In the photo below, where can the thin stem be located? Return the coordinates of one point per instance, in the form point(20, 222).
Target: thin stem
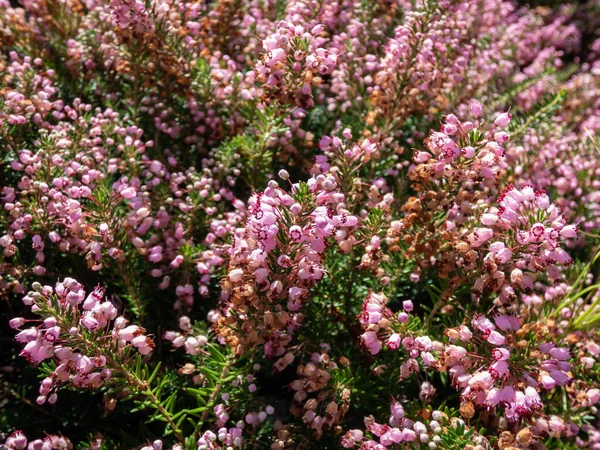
point(433, 311)
point(28, 402)
point(141, 384)
point(215, 394)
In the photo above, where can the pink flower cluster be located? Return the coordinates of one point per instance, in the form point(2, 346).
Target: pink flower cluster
point(523, 237)
point(158, 233)
point(223, 438)
point(188, 340)
point(401, 430)
point(382, 327)
point(149, 146)
point(69, 320)
point(18, 441)
point(293, 57)
point(133, 15)
point(278, 255)
point(480, 152)
point(507, 366)
point(33, 97)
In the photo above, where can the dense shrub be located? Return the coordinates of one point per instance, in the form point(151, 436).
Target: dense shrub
point(303, 224)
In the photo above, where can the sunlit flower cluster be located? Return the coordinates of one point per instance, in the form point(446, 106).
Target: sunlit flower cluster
point(299, 224)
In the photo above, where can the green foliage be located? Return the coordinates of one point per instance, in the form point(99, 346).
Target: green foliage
point(541, 112)
point(252, 152)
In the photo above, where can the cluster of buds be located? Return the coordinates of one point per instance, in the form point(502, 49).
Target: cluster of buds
point(58, 178)
point(223, 439)
point(133, 15)
point(461, 151)
point(166, 237)
point(75, 331)
point(62, 190)
point(294, 61)
point(458, 171)
point(33, 96)
point(247, 385)
point(275, 260)
point(334, 148)
point(343, 159)
point(187, 339)
point(158, 445)
point(426, 430)
point(382, 327)
point(426, 54)
point(18, 441)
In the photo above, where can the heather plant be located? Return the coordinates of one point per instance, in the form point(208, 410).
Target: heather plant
point(304, 224)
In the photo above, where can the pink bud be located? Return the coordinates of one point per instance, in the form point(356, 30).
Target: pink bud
point(467, 152)
point(560, 353)
point(317, 30)
point(16, 322)
point(496, 338)
point(503, 119)
point(402, 317)
point(90, 322)
point(548, 382)
point(592, 396)
point(128, 193)
point(501, 137)
point(371, 341)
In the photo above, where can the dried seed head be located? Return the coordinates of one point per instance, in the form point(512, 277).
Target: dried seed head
point(524, 436)
point(467, 410)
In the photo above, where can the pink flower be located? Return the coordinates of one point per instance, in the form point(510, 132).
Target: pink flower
point(503, 119)
point(569, 231)
point(393, 342)
point(236, 275)
point(592, 396)
point(17, 440)
point(17, 322)
point(560, 377)
point(501, 137)
point(483, 234)
point(489, 219)
point(128, 193)
point(498, 369)
point(128, 333)
point(370, 340)
point(507, 323)
point(476, 108)
point(548, 382)
point(408, 435)
point(495, 338)
point(89, 321)
point(560, 353)
point(500, 354)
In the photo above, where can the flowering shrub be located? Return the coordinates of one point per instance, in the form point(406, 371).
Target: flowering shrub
point(304, 224)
